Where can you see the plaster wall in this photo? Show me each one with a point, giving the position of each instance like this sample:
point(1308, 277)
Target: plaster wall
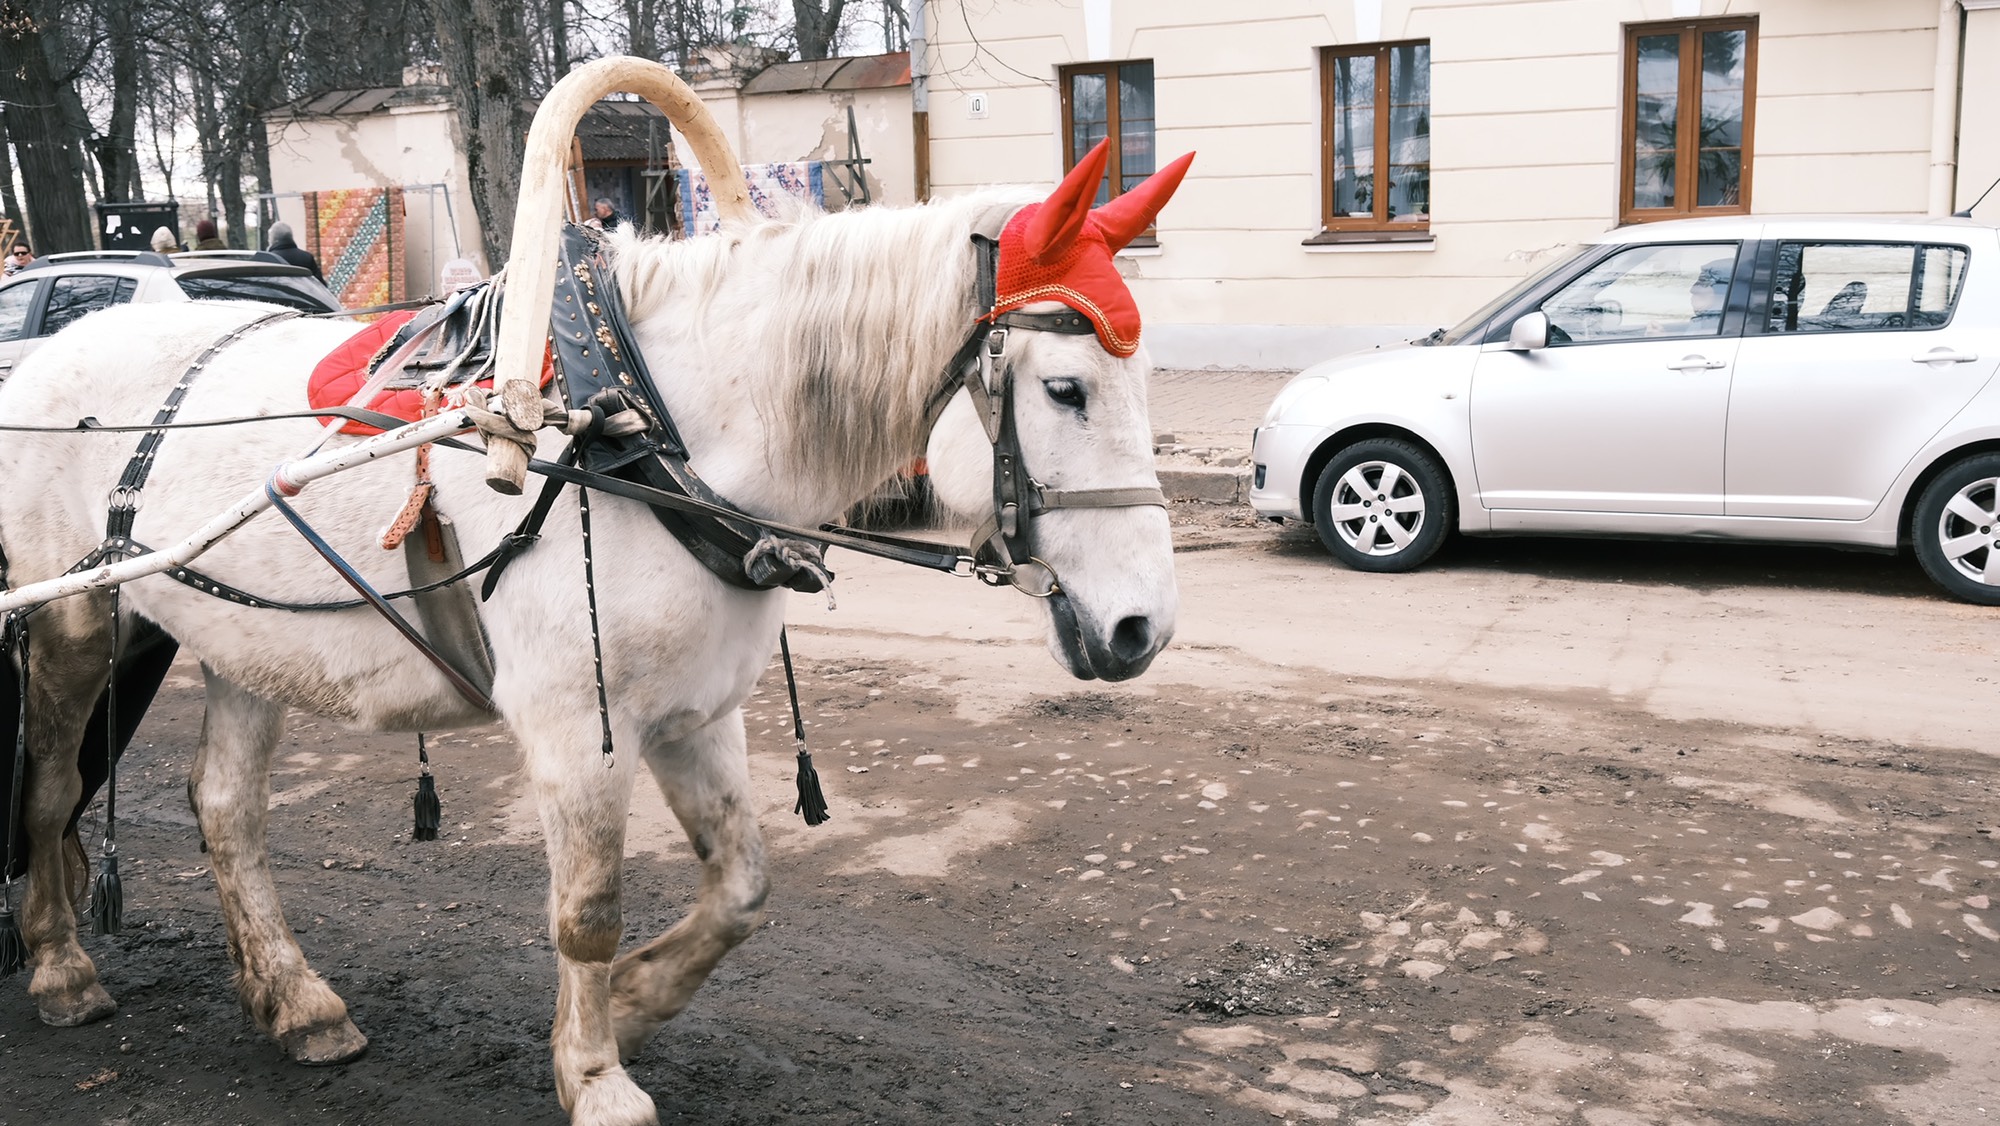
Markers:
point(1979, 114)
point(1525, 98)
point(782, 128)
point(408, 145)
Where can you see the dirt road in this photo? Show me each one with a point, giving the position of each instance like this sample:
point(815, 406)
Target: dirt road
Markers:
point(1549, 833)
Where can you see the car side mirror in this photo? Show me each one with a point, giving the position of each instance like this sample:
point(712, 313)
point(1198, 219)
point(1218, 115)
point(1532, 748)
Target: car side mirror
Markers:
point(1529, 333)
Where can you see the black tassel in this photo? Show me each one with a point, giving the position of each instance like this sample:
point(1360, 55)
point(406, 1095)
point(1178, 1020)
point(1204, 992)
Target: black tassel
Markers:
point(430, 811)
point(107, 899)
point(812, 801)
point(13, 948)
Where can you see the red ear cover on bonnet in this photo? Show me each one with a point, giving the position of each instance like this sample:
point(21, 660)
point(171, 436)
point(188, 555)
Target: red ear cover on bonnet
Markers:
point(1060, 249)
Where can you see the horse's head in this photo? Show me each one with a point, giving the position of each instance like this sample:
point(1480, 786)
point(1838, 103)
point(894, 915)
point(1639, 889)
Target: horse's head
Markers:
point(1058, 446)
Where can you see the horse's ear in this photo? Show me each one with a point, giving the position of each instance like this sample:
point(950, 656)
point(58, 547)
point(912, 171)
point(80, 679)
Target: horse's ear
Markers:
point(1060, 218)
point(1127, 217)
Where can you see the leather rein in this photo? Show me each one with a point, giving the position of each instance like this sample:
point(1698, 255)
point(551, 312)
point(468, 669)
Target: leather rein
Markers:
point(631, 449)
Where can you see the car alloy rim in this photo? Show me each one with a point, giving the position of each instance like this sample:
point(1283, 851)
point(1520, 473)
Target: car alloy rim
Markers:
point(1968, 532)
point(1378, 508)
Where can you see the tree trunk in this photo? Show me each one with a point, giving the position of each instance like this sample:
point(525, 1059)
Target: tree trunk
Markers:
point(817, 26)
point(229, 172)
point(50, 164)
point(486, 57)
point(118, 150)
point(642, 29)
point(260, 87)
point(10, 204)
point(559, 38)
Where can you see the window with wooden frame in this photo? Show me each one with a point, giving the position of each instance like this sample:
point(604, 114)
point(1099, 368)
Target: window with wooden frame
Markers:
point(1690, 102)
point(1102, 100)
point(1375, 138)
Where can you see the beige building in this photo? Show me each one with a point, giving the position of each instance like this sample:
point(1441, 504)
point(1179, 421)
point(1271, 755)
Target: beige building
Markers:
point(381, 169)
point(337, 152)
point(823, 110)
point(1496, 130)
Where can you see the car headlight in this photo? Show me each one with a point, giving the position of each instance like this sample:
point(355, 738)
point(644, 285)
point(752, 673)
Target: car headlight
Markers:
point(1292, 393)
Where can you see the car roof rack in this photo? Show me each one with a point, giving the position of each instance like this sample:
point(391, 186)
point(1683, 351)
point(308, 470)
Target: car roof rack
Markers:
point(135, 257)
point(232, 255)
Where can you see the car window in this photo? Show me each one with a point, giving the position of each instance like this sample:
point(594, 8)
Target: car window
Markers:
point(1859, 287)
point(15, 301)
point(1673, 289)
point(1464, 329)
point(302, 293)
point(72, 297)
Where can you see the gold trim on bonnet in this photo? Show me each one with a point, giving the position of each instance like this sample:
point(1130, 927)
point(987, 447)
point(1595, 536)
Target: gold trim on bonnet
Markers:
point(1119, 346)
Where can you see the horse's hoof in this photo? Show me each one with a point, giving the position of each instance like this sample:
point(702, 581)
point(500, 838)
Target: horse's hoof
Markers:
point(612, 1099)
point(92, 1003)
point(335, 1042)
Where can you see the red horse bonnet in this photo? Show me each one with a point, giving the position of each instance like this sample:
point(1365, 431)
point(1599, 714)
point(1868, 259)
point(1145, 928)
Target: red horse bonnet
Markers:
point(1060, 249)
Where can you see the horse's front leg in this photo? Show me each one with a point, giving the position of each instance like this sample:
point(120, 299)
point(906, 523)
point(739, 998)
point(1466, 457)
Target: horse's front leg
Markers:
point(706, 780)
point(583, 799)
point(67, 669)
point(231, 789)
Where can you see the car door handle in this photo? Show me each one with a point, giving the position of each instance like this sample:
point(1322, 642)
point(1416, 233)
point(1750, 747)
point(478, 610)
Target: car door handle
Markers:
point(1696, 363)
point(1944, 356)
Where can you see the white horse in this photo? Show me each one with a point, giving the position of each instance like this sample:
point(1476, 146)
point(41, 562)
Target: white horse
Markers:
point(798, 359)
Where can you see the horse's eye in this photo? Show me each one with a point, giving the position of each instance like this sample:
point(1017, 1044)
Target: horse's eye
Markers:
point(1068, 392)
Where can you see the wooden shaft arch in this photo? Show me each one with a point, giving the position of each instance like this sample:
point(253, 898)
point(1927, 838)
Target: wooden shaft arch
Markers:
point(531, 263)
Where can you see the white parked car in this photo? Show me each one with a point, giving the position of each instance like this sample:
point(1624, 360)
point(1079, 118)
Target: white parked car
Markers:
point(1799, 380)
point(51, 292)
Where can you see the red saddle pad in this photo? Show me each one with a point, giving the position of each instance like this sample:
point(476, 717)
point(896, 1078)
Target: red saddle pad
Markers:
point(345, 370)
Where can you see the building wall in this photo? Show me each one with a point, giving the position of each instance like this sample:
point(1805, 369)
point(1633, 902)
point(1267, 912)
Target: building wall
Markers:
point(1525, 99)
point(1979, 115)
point(404, 146)
point(786, 128)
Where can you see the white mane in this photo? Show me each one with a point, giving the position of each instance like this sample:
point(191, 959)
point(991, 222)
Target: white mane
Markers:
point(854, 315)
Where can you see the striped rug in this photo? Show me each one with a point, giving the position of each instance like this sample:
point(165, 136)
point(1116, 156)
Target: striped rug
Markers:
point(357, 235)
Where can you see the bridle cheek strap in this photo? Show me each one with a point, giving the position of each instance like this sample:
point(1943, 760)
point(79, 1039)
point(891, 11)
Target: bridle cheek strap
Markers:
point(1000, 545)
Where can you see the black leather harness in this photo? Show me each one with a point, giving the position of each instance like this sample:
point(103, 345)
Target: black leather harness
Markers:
point(601, 371)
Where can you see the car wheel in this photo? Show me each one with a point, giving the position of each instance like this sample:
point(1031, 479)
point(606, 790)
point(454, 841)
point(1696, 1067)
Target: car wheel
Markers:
point(1957, 529)
point(1382, 505)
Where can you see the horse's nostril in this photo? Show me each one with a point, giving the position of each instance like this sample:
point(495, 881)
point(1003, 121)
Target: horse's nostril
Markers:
point(1132, 639)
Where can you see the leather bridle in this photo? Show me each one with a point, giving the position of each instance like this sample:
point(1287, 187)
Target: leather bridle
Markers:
point(1001, 545)
point(649, 463)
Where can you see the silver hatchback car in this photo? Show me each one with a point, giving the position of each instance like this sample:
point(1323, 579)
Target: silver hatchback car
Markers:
point(1800, 380)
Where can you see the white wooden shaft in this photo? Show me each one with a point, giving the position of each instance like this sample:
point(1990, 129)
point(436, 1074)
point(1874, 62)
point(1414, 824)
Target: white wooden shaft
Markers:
point(290, 477)
point(531, 265)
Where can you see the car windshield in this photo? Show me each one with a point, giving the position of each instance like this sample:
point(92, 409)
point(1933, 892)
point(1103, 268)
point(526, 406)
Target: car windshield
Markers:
point(305, 294)
point(1458, 333)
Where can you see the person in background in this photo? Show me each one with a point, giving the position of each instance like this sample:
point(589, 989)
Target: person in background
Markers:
point(18, 257)
point(205, 237)
point(607, 216)
point(164, 241)
point(284, 246)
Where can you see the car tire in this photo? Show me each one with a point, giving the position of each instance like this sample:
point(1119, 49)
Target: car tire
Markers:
point(1382, 505)
point(1960, 553)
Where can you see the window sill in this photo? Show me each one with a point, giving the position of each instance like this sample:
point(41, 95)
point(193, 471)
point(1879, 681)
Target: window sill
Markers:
point(1139, 250)
point(1369, 242)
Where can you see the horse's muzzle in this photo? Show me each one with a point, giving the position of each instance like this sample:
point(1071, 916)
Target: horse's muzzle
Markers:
point(1092, 653)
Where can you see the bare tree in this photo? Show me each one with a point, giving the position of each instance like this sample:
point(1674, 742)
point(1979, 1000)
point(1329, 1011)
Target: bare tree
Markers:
point(486, 56)
point(817, 24)
point(116, 148)
point(46, 149)
point(10, 204)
